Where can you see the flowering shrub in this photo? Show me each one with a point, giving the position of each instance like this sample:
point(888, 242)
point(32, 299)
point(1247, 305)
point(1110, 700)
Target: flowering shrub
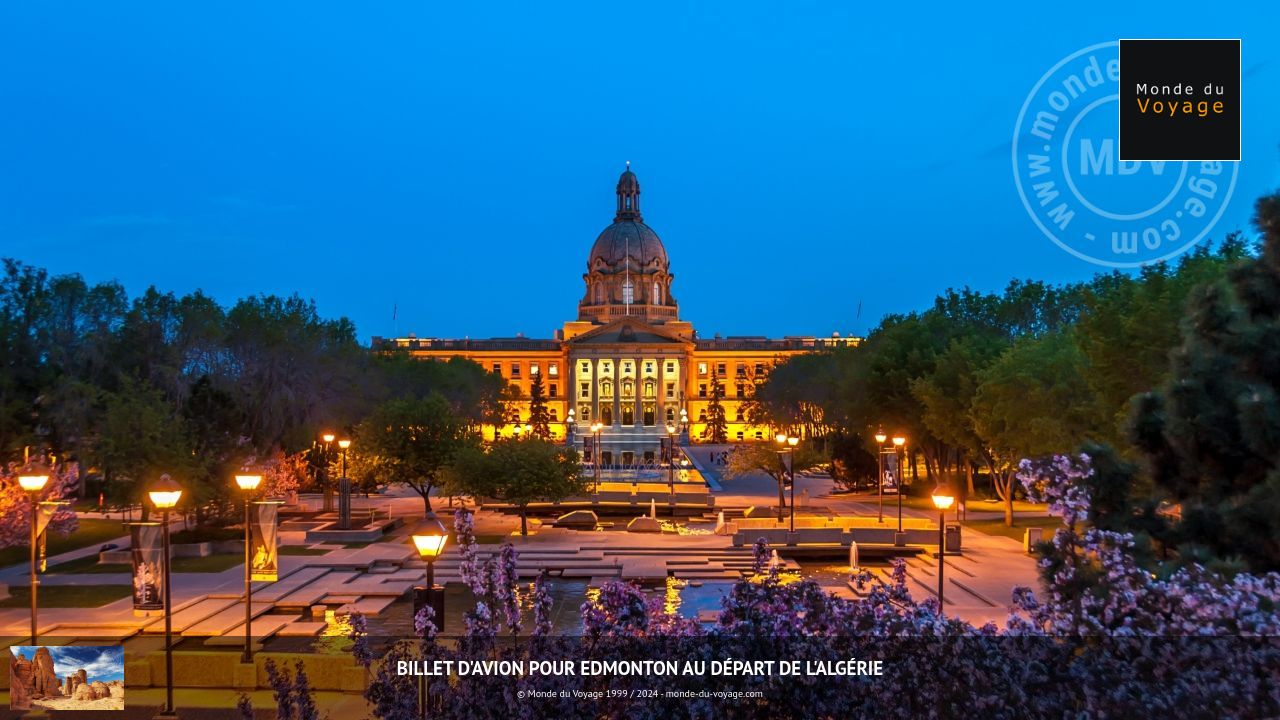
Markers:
point(1107, 639)
point(15, 504)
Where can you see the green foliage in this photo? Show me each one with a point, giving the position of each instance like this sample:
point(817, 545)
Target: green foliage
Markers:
point(539, 415)
point(717, 429)
point(412, 441)
point(1210, 435)
point(519, 471)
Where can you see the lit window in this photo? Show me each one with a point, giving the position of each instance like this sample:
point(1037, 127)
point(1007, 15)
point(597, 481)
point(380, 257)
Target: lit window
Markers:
point(553, 369)
point(702, 369)
point(534, 368)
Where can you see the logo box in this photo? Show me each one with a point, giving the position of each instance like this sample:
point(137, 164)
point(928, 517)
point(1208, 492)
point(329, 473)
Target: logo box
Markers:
point(1180, 100)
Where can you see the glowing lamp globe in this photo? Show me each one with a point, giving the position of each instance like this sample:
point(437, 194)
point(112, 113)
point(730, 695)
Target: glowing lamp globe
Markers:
point(942, 499)
point(899, 440)
point(429, 539)
point(328, 437)
point(881, 437)
point(33, 483)
point(248, 482)
point(344, 444)
point(165, 493)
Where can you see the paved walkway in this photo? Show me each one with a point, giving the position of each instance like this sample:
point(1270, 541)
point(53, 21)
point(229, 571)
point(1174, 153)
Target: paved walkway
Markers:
point(369, 578)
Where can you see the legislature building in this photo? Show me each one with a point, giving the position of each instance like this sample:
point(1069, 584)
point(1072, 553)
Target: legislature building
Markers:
point(628, 362)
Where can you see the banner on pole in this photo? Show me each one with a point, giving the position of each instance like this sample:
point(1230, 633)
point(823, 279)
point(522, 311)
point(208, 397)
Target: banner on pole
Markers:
point(263, 548)
point(44, 515)
point(148, 565)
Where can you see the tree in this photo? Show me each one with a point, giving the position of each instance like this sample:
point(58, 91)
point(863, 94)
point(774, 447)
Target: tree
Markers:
point(518, 472)
point(717, 429)
point(140, 437)
point(1210, 436)
point(412, 441)
point(748, 458)
point(539, 416)
point(1011, 406)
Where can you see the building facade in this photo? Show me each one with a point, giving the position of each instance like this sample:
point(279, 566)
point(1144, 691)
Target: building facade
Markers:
point(628, 362)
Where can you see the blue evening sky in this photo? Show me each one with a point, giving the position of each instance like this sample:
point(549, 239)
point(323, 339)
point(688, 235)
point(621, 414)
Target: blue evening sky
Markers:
point(458, 159)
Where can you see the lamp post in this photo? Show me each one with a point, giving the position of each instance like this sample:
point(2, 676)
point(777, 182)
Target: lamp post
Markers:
point(569, 421)
point(429, 539)
point(684, 425)
point(880, 438)
point(327, 499)
point(671, 466)
point(595, 431)
point(164, 496)
point(898, 442)
point(942, 501)
point(248, 483)
point(33, 484)
point(788, 451)
point(344, 489)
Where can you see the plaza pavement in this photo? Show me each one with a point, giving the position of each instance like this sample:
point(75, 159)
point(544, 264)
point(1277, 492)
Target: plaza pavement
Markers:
point(208, 606)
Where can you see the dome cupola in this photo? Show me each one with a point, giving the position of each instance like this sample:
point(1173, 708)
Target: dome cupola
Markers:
point(628, 272)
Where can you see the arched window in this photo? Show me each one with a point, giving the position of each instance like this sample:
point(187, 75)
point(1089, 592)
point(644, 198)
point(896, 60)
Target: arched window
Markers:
point(599, 290)
point(657, 293)
point(628, 388)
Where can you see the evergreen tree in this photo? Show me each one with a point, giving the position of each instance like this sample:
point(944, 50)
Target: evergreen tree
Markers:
point(1211, 434)
point(717, 430)
point(539, 416)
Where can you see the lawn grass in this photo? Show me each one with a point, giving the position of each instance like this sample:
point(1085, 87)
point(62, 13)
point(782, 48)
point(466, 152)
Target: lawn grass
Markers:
point(208, 564)
point(301, 550)
point(67, 596)
point(90, 532)
point(996, 526)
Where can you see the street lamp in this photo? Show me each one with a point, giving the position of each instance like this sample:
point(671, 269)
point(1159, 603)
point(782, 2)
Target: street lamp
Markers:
point(671, 466)
point(344, 489)
point(326, 501)
point(898, 442)
point(880, 438)
point(569, 421)
point(595, 431)
point(164, 496)
point(942, 501)
point(33, 484)
point(248, 483)
point(788, 444)
point(429, 540)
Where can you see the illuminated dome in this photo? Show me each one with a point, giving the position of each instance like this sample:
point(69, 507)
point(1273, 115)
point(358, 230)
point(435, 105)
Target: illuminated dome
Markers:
point(628, 272)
